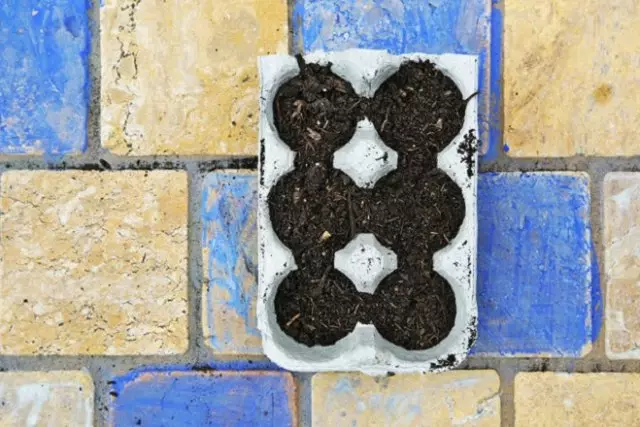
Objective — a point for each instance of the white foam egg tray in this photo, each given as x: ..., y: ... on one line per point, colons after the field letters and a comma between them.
x: 364, y: 349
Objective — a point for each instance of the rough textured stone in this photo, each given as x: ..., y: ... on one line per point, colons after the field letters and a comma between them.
x: 93, y: 262
x: 462, y: 398
x: 622, y: 264
x: 568, y: 70
x: 581, y: 400
x: 44, y: 74
x: 180, y: 77
x: 230, y: 250
x: 39, y: 399
x: 205, y: 398
x: 538, y: 294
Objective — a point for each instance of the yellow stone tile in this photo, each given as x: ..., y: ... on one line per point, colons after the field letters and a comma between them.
x: 548, y: 399
x: 93, y: 262
x: 180, y: 77
x: 460, y: 398
x: 569, y: 75
x: 41, y: 399
x: 622, y: 264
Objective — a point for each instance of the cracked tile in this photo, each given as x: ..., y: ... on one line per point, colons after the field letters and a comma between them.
x: 93, y: 263
x: 181, y: 77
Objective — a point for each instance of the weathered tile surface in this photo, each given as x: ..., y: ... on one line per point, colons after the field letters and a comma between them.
x: 39, y: 399
x: 580, y: 400
x: 199, y: 399
x: 569, y: 70
x: 229, y: 241
x: 44, y: 89
x: 93, y: 262
x: 462, y: 398
x: 180, y: 77
x: 536, y: 291
x: 622, y: 264
x: 398, y: 26
x: 431, y: 26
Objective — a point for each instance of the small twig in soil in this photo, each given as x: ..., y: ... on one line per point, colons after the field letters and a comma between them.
x: 325, y: 236
x: 352, y: 223
x: 314, y: 135
x: 437, y: 125
x: 293, y: 319
x: 299, y: 104
x: 308, y: 145
x: 354, y: 105
x: 386, y: 120
x: 324, y: 276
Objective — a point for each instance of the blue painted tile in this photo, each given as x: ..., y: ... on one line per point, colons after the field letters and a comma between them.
x: 434, y: 26
x: 537, y: 288
x: 229, y: 201
x: 44, y: 83
x: 403, y: 26
x: 494, y: 114
x: 208, y: 398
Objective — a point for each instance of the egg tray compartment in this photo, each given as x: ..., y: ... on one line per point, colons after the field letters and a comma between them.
x: 364, y: 349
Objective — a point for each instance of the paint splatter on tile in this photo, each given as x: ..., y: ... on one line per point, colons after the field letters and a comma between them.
x: 229, y: 239
x: 44, y: 86
x: 537, y: 291
x: 205, y: 398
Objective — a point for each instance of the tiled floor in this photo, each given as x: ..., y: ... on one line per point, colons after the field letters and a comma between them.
x: 128, y: 213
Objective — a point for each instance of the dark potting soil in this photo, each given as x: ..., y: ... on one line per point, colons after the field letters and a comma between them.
x: 415, y: 210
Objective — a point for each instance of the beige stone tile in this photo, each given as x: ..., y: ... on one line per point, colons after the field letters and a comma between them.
x: 93, y: 262
x: 570, y: 69
x: 460, y: 398
x: 622, y: 264
x: 548, y: 399
x: 180, y: 77
x: 41, y: 399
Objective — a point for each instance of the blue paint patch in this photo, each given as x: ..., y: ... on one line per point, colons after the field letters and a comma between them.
x: 405, y: 26
x: 535, y: 274
x: 457, y: 26
x: 229, y: 234
x: 204, y: 398
x: 495, y: 83
x: 118, y: 383
x: 44, y: 76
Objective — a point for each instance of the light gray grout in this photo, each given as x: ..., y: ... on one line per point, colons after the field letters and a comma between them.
x: 304, y: 398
